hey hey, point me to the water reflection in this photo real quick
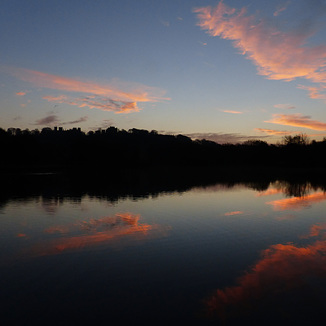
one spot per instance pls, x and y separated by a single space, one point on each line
298 203
149 251
280 286
95 232
288 283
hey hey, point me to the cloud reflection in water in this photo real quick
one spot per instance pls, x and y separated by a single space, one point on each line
96 232
285 284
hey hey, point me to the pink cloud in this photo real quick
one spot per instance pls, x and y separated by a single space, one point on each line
298 120
281 8
96 102
277 54
107 97
20 93
315 92
233 213
232 111
274 132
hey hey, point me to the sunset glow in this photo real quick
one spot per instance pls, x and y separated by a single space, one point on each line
297 120
281 56
216 70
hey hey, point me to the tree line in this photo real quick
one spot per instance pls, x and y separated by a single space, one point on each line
137 148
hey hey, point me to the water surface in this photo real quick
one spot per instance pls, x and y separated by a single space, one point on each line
220 254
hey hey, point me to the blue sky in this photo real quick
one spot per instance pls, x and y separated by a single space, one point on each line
227 71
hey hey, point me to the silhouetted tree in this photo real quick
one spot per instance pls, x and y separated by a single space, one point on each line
300 139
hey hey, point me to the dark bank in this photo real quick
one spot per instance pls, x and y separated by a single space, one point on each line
60 149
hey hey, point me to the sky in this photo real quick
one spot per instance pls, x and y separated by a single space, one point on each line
227 71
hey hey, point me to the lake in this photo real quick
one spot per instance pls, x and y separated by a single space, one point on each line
217 254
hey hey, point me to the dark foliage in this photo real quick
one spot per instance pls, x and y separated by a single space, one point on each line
114 148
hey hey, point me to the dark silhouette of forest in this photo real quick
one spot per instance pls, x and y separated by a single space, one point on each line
56 148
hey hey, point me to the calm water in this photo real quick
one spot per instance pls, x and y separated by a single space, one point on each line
221 254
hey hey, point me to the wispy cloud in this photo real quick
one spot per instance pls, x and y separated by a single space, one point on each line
165 23
80 120
281 8
298 120
232 111
53 119
315 92
96 102
20 93
275 132
47 121
279 55
117 96
284 106
233 213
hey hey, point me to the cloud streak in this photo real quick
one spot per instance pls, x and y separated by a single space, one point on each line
284 106
222 138
96 102
107 97
281 8
80 120
232 111
273 132
53 119
314 92
297 120
47 121
278 55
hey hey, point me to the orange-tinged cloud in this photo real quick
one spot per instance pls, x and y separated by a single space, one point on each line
93 102
297 203
108 97
282 269
279 55
274 132
233 213
232 111
315 92
297 120
20 93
